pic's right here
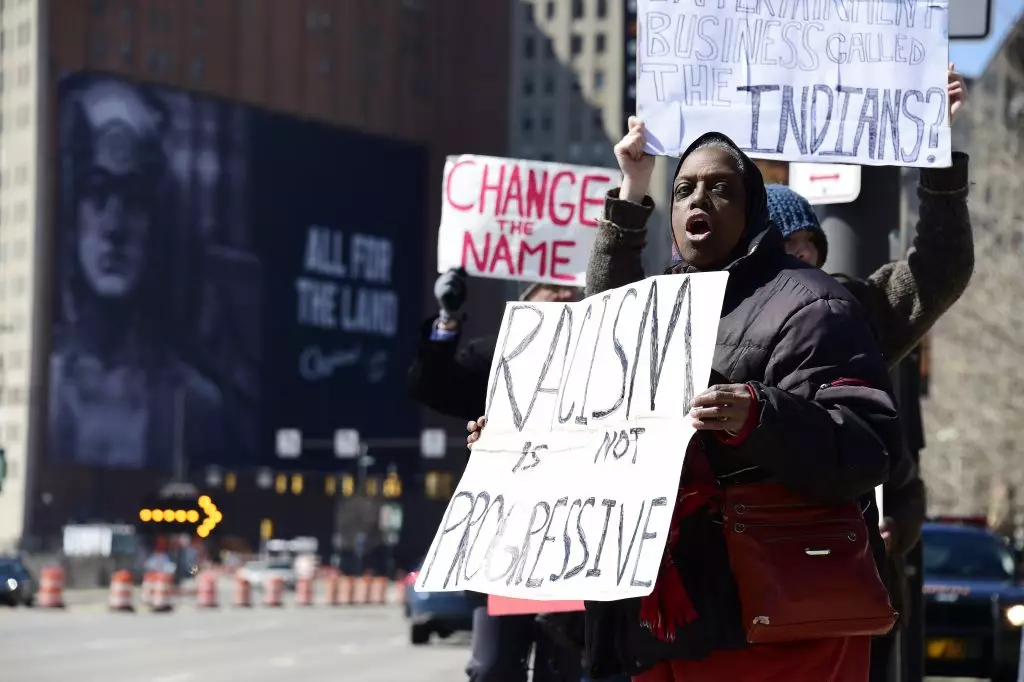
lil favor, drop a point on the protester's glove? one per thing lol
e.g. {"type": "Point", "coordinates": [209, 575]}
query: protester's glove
{"type": "Point", "coordinates": [450, 292]}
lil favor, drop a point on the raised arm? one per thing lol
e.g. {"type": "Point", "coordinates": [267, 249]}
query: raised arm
{"type": "Point", "coordinates": [904, 299]}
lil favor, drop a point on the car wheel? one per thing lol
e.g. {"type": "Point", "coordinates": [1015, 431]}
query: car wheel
{"type": "Point", "coordinates": [30, 602]}
{"type": "Point", "coordinates": [419, 634]}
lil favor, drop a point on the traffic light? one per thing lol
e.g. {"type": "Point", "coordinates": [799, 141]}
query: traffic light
{"type": "Point", "coordinates": [392, 486]}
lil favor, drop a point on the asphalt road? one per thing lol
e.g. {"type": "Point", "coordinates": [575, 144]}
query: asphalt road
{"type": "Point", "coordinates": [316, 644]}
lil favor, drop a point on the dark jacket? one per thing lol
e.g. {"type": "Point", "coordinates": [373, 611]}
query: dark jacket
{"type": "Point", "coordinates": [451, 379]}
{"type": "Point", "coordinates": [791, 332]}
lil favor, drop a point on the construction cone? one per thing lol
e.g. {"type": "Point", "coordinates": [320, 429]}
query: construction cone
{"type": "Point", "coordinates": [304, 592]}
{"type": "Point", "coordinates": [273, 592]}
{"type": "Point", "coordinates": [243, 593]}
{"type": "Point", "coordinates": [400, 587]}
{"type": "Point", "coordinates": [378, 590]}
{"type": "Point", "coordinates": [160, 593]}
{"type": "Point", "coordinates": [346, 589]}
{"type": "Point", "coordinates": [51, 588]}
{"type": "Point", "coordinates": [331, 591]}
{"type": "Point", "coordinates": [121, 592]}
{"type": "Point", "coordinates": [361, 593]}
{"type": "Point", "coordinates": [206, 590]}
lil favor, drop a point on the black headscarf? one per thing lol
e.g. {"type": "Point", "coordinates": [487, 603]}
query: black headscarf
{"type": "Point", "coordinates": [758, 217]}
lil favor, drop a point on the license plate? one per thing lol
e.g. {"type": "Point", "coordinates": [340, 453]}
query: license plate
{"type": "Point", "coordinates": [946, 649]}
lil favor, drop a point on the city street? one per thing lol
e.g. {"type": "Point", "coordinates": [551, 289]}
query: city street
{"type": "Point", "coordinates": [369, 644]}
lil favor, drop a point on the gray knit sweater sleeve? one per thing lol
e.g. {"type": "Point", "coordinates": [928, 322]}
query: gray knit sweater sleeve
{"type": "Point", "coordinates": [615, 259]}
{"type": "Point", "coordinates": [904, 299]}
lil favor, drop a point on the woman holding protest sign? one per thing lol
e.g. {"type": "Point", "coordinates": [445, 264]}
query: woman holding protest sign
{"type": "Point", "coordinates": [797, 431]}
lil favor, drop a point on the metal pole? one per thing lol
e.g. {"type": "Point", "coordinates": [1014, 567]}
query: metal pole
{"type": "Point", "coordinates": [859, 236]}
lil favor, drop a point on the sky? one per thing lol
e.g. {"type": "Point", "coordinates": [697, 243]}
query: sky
{"type": "Point", "coordinates": [971, 56]}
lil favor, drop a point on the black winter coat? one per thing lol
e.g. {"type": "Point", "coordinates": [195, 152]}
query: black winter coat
{"type": "Point", "coordinates": [451, 379]}
{"type": "Point", "coordinates": [794, 334]}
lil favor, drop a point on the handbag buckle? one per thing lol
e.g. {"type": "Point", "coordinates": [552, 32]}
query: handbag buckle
{"type": "Point", "coordinates": [762, 620]}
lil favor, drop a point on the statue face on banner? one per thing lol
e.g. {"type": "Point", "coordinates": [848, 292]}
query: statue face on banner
{"type": "Point", "coordinates": [113, 213]}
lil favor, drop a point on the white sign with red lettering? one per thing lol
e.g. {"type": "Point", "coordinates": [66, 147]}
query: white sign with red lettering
{"type": "Point", "coordinates": [523, 220]}
{"type": "Point", "coordinates": [825, 183]}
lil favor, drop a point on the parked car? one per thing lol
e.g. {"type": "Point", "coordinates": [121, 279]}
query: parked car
{"type": "Point", "coordinates": [974, 603]}
{"type": "Point", "coordinates": [441, 613]}
{"type": "Point", "coordinates": [16, 586]}
{"type": "Point", "coordinates": [259, 572]}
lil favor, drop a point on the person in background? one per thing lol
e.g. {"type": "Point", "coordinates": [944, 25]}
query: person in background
{"type": "Point", "coordinates": [904, 299]}
{"type": "Point", "coordinates": [453, 380]}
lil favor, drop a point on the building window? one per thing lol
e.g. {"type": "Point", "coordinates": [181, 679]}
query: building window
{"type": "Point", "coordinates": [526, 124]}
{"type": "Point", "coordinates": [24, 74]}
{"type": "Point", "coordinates": [128, 14]}
{"type": "Point", "coordinates": [576, 45]}
{"type": "Point", "coordinates": [550, 12]}
{"type": "Point", "coordinates": [159, 61]}
{"type": "Point", "coordinates": [98, 47]}
{"type": "Point", "coordinates": [24, 33]}
{"type": "Point", "coordinates": [602, 8]}
{"type": "Point", "coordinates": [318, 20]}
{"type": "Point", "coordinates": [528, 7]}
{"type": "Point", "coordinates": [529, 48]}
{"type": "Point", "coordinates": [599, 121]}
{"type": "Point", "coordinates": [600, 43]}
{"type": "Point", "coordinates": [576, 83]}
{"type": "Point", "coordinates": [546, 122]}
{"type": "Point", "coordinates": [577, 9]}
{"type": "Point", "coordinates": [22, 117]}
{"type": "Point", "coordinates": [549, 84]}
{"type": "Point", "coordinates": [528, 86]}
{"type": "Point", "coordinates": [196, 69]}
{"type": "Point", "coordinates": [549, 49]}
{"type": "Point", "coordinates": [127, 53]}
{"type": "Point", "coordinates": [21, 175]}
{"type": "Point", "coordinates": [598, 80]}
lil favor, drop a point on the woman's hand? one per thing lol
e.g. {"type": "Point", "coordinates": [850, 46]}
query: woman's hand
{"type": "Point", "coordinates": [956, 92]}
{"type": "Point", "coordinates": [475, 430]}
{"type": "Point", "coordinates": [725, 407]}
{"type": "Point", "coordinates": [636, 166]}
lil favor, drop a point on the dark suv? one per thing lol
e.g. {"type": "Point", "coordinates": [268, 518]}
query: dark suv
{"type": "Point", "coordinates": [974, 603]}
{"type": "Point", "coordinates": [15, 583]}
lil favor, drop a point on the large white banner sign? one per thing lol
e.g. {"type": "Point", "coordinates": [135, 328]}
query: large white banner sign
{"type": "Point", "coordinates": [523, 220]}
{"type": "Point", "coordinates": [570, 490]}
{"type": "Point", "coordinates": [836, 81]}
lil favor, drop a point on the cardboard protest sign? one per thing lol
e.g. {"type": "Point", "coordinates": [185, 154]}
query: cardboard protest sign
{"type": "Point", "coordinates": [523, 220]}
{"type": "Point", "coordinates": [837, 81]}
{"type": "Point", "coordinates": [570, 489]}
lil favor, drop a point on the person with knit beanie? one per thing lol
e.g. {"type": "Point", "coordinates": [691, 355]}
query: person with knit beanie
{"type": "Point", "coordinates": [793, 216]}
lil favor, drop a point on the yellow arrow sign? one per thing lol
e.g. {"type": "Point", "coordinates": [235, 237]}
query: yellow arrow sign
{"type": "Point", "coordinates": [211, 516]}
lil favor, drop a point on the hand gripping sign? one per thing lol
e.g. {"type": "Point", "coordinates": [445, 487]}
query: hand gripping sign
{"type": "Point", "coordinates": [522, 220]}
{"type": "Point", "coordinates": [569, 492]}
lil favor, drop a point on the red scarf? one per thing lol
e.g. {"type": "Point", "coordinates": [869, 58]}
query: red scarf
{"type": "Point", "coordinates": [668, 606]}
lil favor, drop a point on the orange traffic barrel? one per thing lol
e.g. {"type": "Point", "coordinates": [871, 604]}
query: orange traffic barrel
{"type": "Point", "coordinates": [161, 585]}
{"type": "Point", "coordinates": [304, 592]}
{"type": "Point", "coordinates": [361, 590]}
{"type": "Point", "coordinates": [273, 591]}
{"type": "Point", "coordinates": [121, 592]}
{"type": "Point", "coordinates": [332, 594]}
{"type": "Point", "coordinates": [206, 589]}
{"type": "Point", "coordinates": [51, 588]}
{"type": "Point", "coordinates": [243, 593]}
{"type": "Point", "coordinates": [378, 590]}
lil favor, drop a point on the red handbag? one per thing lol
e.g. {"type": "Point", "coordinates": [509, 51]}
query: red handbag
{"type": "Point", "coordinates": [803, 570]}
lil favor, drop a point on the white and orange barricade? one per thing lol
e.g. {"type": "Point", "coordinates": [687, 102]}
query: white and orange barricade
{"type": "Point", "coordinates": [332, 585]}
{"type": "Point", "coordinates": [121, 598]}
{"type": "Point", "coordinates": [361, 590]}
{"type": "Point", "coordinates": [304, 592]}
{"type": "Point", "coordinates": [346, 589]}
{"type": "Point", "coordinates": [273, 591]}
{"type": "Point", "coordinates": [206, 589]}
{"type": "Point", "coordinates": [51, 588]}
{"type": "Point", "coordinates": [400, 586]}
{"type": "Point", "coordinates": [243, 593]}
{"type": "Point", "coordinates": [378, 590]}
{"type": "Point", "coordinates": [161, 586]}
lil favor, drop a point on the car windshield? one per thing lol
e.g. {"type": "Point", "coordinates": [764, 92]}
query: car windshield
{"type": "Point", "coordinates": [967, 556]}
{"type": "Point", "coordinates": [12, 568]}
